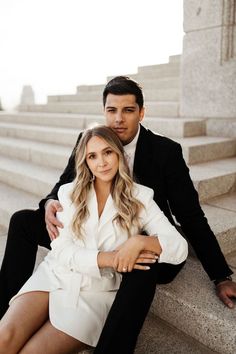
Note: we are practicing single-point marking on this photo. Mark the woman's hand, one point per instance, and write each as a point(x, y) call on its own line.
point(51, 208)
point(130, 255)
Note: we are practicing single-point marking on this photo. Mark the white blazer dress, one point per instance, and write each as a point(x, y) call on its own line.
point(81, 294)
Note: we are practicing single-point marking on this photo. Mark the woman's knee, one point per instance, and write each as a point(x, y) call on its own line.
point(7, 336)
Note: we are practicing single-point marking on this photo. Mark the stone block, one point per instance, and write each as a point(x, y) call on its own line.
point(221, 127)
point(202, 149)
point(214, 178)
point(190, 303)
point(158, 334)
point(176, 128)
point(33, 179)
point(201, 64)
point(40, 133)
point(162, 109)
point(201, 14)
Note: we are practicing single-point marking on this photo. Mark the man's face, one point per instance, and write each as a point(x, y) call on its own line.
point(123, 116)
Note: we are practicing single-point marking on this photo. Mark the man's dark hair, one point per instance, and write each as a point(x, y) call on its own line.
point(123, 85)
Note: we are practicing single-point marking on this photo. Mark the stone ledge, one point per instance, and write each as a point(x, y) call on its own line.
point(190, 301)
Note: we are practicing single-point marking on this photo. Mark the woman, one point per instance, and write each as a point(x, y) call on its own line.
point(64, 304)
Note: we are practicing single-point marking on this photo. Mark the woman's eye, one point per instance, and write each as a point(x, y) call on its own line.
point(108, 152)
point(91, 157)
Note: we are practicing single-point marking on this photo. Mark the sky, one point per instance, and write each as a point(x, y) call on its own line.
point(56, 45)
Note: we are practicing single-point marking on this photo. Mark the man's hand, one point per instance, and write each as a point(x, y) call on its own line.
point(51, 208)
point(130, 254)
point(225, 291)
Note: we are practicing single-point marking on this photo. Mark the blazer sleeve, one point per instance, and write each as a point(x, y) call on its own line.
point(174, 246)
point(67, 176)
point(69, 251)
point(73, 257)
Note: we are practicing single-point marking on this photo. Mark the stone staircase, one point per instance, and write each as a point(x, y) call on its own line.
point(35, 143)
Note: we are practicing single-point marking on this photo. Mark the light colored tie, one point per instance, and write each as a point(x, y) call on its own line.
point(128, 158)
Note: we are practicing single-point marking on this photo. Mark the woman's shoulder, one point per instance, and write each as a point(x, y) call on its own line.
point(142, 191)
point(65, 190)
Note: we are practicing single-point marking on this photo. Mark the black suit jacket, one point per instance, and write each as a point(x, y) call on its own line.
point(159, 164)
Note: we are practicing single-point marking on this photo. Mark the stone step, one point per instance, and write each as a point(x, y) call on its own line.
point(165, 94)
point(154, 83)
point(159, 83)
point(190, 303)
point(13, 199)
point(44, 154)
point(214, 178)
point(63, 136)
point(68, 120)
point(221, 215)
point(159, 337)
point(32, 178)
point(175, 58)
point(221, 127)
point(156, 74)
point(55, 155)
point(168, 70)
point(205, 148)
point(172, 127)
point(86, 88)
point(146, 83)
point(175, 127)
point(59, 107)
point(82, 96)
point(160, 109)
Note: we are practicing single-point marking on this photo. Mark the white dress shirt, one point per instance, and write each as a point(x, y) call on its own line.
point(130, 151)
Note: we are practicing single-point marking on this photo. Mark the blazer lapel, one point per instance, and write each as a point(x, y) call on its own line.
point(94, 224)
point(108, 213)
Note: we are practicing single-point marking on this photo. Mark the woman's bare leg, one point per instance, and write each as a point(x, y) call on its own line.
point(25, 316)
point(49, 340)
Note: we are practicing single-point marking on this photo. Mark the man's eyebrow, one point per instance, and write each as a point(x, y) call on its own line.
point(110, 107)
point(131, 106)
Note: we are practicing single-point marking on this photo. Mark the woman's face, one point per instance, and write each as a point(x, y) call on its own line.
point(102, 161)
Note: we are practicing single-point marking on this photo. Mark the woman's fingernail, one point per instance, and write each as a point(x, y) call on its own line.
point(147, 267)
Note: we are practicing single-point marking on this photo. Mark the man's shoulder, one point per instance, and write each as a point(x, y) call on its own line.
point(154, 137)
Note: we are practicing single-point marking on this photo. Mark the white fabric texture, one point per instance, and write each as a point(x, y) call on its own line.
point(80, 293)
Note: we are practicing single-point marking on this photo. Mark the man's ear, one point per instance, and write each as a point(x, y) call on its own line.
point(141, 114)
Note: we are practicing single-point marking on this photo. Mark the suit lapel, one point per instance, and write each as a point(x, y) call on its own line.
point(143, 157)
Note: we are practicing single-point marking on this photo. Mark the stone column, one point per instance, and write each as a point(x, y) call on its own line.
point(27, 95)
point(209, 59)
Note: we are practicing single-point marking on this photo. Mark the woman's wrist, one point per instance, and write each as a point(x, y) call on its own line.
point(152, 244)
point(106, 259)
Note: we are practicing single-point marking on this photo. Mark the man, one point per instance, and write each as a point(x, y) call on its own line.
point(156, 162)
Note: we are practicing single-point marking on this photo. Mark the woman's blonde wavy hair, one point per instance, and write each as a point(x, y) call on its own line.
point(128, 207)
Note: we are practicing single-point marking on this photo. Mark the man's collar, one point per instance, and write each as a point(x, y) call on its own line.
point(133, 143)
